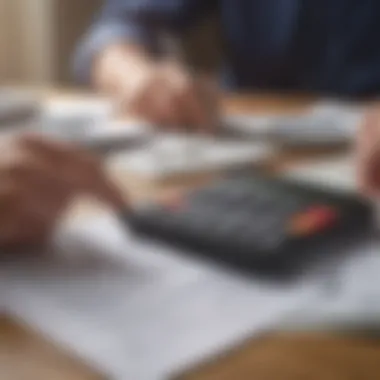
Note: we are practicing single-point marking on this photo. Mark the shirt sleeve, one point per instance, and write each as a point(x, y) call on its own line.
point(137, 21)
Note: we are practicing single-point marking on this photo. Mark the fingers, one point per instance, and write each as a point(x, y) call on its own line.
point(212, 97)
point(187, 98)
point(60, 155)
point(71, 170)
point(38, 178)
point(21, 224)
point(161, 108)
point(170, 97)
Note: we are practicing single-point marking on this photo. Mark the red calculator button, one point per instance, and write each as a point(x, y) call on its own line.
point(313, 220)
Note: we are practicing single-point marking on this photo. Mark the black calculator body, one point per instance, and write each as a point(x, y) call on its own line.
point(255, 223)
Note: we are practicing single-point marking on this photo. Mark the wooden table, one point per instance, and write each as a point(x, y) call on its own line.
point(25, 355)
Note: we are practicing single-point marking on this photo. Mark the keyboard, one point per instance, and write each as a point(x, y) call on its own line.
point(254, 223)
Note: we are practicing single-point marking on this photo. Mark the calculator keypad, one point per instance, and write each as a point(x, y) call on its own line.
point(247, 220)
point(258, 220)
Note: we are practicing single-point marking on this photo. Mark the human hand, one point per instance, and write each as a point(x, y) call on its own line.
point(38, 179)
point(368, 153)
point(163, 93)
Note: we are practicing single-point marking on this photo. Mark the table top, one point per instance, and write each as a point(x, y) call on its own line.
point(26, 355)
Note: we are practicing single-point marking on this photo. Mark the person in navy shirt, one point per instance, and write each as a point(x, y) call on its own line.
point(328, 47)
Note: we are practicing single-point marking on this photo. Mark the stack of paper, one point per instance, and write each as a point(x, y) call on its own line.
point(167, 155)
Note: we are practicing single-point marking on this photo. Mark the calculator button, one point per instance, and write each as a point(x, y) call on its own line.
point(194, 220)
point(315, 219)
point(265, 222)
point(271, 242)
point(264, 241)
point(230, 225)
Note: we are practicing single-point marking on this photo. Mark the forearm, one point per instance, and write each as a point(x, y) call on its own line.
point(126, 30)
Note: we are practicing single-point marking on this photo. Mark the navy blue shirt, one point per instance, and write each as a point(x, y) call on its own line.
point(324, 46)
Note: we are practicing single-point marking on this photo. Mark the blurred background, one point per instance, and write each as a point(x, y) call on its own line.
point(38, 37)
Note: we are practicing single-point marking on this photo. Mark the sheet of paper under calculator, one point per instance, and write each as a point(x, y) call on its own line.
point(140, 311)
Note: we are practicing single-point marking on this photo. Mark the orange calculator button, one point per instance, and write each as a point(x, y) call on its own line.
point(312, 220)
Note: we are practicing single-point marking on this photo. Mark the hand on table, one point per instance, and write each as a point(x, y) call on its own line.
point(38, 179)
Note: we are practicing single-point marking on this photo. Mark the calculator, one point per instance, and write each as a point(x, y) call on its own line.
point(255, 223)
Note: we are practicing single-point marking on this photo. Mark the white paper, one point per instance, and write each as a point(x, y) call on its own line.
point(351, 300)
point(90, 122)
point(139, 311)
point(167, 155)
point(326, 122)
point(337, 173)
point(100, 107)
point(135, 310)
point(72, 119)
